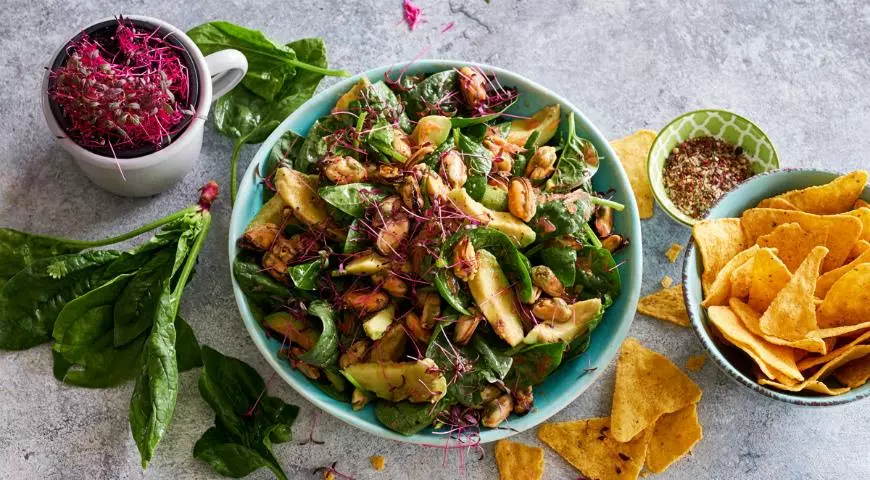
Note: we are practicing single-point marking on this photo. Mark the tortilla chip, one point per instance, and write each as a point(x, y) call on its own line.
point(761, 221)
point(673, 252)
point(792, 243)
point(815, 384)
point(792, 313)
point(589, 446)
point(848, 300)
point(378, 462)
point(859, 248)
point(718, 241)
point(766, 355)
point(811, 362)
point(633, 151)
point(667, 281)
point(826, 281)
point(855, 373)
point(862, 214)
point(751, 320)
point(769, 276)
point(517, 461)
point(741, 279)
point(860, 204)
point(833, 332)
point(666, 305)
point(695, 362)
point(838, 196)
point(776, 202)
point(673, 436)
point(647, 386)
point(720, 291)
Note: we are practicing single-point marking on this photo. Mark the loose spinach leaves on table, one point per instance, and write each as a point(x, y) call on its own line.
point(280, 78)
point(247, 421)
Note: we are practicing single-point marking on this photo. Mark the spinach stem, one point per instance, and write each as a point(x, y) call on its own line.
point(607, 203)
point(234, 169)
point(591, 235)
point(360, 123)
point(322, 71)
point(135, 233)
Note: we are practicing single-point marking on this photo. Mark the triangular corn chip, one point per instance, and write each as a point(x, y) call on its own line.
point(666, 305)
point(632, 152)
point(776, 202)
point(848, 300)
point(862, 214)
point(855, 373)
point(720, 291)
point(810, 362)
point(792, 243)
point(517, 461)
point(741, 279)
point(718, 241)
point(751, 319)
point(765, 354)
point(860, 247)
point(673, 436)
point(831, 198)
point(824, 283)
point(792, 314)
point(647, 386)
point(830, 333)
point(815, 383)
point(842, 230)
point(589, 446)
point(769, 276)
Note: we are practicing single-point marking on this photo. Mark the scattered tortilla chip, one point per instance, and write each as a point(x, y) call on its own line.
point(811, 362)
point(667, 281)
point(673, 436)
point(666, 305)
point(647, 386)
point(792, 243)
point(792, 313)
point(718, 241)
point(769, 276)
point(741, 279)
point(815, 384)
point(379, 462)
point(761, 221)
point(720, 291)
point(766, 355)
point(674, 252)
point(517, 461)
point(751, 320)
point(855, 373)
point(838, 196)
point(826, 281)
point(848, 300)
point(589, 446)
point(695, 363)
point(633, 151)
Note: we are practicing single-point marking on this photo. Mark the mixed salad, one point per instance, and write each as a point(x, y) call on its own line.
point(423, 249)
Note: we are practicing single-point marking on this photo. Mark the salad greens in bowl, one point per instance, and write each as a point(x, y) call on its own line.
point(439, 249)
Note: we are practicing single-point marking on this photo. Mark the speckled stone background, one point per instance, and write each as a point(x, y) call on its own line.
point(799, 69)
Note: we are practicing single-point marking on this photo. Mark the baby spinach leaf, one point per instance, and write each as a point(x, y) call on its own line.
point(134, 309)
point(305, 275)
point(466, 384)
point(247, 421)
point(32, 299)
point(380, 139)
point(409, 418)
point(477, 158)
point(597, 273)
point(522, 158)
point(497, 362)
point(534, 363)
point(315, 147)
point(353, 198)
point(325, 351)
point(433, 95)
point(561, 261)
point(562, 215)
point(380, 99)
point(20, 249)
point(462, 122)
point(476, 186)
point(356, 240)
point(572, 170)
point(258, 286)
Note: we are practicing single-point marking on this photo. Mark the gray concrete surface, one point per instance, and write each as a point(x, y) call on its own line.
point(799, 69)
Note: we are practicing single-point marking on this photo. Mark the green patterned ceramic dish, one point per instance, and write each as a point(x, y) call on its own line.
point(721, 124)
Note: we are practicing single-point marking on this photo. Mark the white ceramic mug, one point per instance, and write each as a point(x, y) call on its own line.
point(155, 172)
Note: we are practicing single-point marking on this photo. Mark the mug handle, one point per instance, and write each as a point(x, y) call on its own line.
point(227, 68)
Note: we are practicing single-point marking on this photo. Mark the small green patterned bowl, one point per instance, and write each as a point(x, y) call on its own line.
point(721, 124)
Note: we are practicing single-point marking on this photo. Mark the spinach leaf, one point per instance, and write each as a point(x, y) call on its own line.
point(315, 147)
point(19, 250)
point(283, 153)
point(522, 158)
point(561, 261)
point(409, 418)
point(433, 95)
point(462, 122)
point(534, 363)
point(32, 299)
point(357, 240)
point(305, 275)
point(380, 139)
point(353, 198)
point(465, 385)
point(186, 346)
point(496, 361)
point(477, 158)
point(247, 421)
point(381, 100)
point(562, 215)
point(476, 186)
point(572, 170)
point(597, 273)
point(259, 287)
point(325, 351)
point(134, 309)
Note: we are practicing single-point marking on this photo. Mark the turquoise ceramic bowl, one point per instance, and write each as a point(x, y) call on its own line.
point(572, 378)
point(731, 360)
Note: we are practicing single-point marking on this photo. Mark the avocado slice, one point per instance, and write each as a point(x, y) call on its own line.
point(355, 93)
point(378, 323)
point(521, 234)
point(494, 296)
point(582, 313)
point(271, 212)
point(367, 264)
point(495, 199)
point(298, 330)
point(391, 346)
point(545, 121)
point(432, 129)
point(299, 192)
point(417, 381)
